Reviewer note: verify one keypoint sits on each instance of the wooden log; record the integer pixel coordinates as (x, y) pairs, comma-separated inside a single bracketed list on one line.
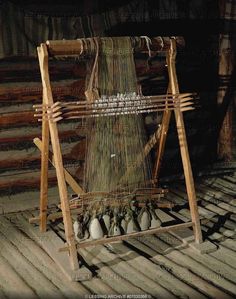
[(18, 155), (76, 72), (25, 180), (24, 65), (33, 163), (75, 47), (63, 135), (20, 163), (78, 151), (60, 70), (144, 72), (34, 93), (157, 68), (26, 117)]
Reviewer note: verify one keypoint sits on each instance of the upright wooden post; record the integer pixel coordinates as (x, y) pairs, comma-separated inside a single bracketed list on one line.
[(47, 92), (162, 141), (44, 173), (184, 146)]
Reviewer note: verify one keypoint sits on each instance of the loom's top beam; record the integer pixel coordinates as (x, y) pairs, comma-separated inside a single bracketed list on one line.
[(75, 47)]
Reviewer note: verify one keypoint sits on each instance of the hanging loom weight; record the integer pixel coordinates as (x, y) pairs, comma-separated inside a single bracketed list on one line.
[(95, 229), (107, 221), (144, 219), (155, 221), (77, 230)]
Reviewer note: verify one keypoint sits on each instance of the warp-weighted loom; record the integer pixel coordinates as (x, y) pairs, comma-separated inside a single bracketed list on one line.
[(131, 185)]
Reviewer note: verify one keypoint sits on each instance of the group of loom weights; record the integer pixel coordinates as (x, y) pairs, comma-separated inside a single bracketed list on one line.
[(115, 221)]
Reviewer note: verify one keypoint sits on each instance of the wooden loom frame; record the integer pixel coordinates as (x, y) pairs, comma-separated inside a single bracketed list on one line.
[(50, 131)]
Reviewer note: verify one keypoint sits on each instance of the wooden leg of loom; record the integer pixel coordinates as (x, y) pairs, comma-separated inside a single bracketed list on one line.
[(184, 147), (44, 175), (43, 62), (63, 196), (188, 175)]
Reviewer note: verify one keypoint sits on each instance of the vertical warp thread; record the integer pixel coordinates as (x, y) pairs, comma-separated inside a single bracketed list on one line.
[(115, 142)]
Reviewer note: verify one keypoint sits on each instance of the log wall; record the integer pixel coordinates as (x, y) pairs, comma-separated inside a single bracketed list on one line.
[(20, 88)]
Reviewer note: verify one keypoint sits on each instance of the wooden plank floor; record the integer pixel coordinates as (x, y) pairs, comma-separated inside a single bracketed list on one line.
[(156, 266)]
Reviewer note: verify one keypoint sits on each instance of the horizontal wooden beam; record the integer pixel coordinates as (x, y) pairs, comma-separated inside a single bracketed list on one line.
[(75, 47), (34, 163), (30, 179), (34, 93), (28, 93), (102, 241), (22, 138), (25, 117), (27, 182)]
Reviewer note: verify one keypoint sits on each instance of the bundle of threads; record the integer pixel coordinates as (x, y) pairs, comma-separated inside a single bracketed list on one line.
[(113, 145)]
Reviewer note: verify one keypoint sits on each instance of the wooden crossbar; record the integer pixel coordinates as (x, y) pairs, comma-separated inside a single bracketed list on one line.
[(75, 47), (106, 240)]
